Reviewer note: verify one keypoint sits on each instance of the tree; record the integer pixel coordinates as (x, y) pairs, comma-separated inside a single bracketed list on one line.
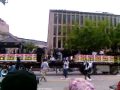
[(115, 38), (29, 46), (90, 37)]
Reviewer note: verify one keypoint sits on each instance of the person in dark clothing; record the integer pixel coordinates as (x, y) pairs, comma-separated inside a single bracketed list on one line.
[(87, 70), (19, 80), (19, 65)]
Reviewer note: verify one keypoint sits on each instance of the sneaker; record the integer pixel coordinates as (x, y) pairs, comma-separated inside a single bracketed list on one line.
[(89, 79), (62, 78), (67, 78)]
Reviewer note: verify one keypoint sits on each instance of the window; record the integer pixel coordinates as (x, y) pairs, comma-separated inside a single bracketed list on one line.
[(98, 18), (68, 19), (86, 17), (114, 21), (77, 19), (64, 30), (55, 30), (54, 42), (59, 42), (59, 30), (90, 17), (59, 18), (81, 20), (94, 18), (111, 21), (119, 20), (73, 19), (64, 18), (102, 18), (55, 18)]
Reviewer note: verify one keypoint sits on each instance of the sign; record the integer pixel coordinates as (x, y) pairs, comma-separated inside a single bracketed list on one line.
[(13, 57), (95, 58)]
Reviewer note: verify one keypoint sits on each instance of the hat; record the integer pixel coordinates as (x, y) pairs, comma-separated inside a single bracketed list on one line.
[(80, 84), (19, 80)]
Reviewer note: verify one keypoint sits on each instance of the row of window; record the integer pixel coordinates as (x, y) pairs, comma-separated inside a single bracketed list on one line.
[(60, 30), (58, 42), (72, 19)]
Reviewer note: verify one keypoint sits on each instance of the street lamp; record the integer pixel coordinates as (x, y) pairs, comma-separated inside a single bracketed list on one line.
[(4, 1)]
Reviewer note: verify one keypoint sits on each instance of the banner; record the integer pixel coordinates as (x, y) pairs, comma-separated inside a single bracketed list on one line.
[(98, 58), (10, 57), (2, 56), (94, 58), (13, 57), (90, 57)]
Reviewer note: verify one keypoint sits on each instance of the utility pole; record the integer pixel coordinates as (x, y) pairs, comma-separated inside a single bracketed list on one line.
[(4, 1)]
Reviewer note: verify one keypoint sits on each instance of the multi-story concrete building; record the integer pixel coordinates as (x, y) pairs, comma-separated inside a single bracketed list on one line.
[(60, 20)]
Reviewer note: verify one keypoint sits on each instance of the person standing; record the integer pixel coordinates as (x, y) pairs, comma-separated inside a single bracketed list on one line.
[(19, 64), (44, 69), (65, 68), (87, 70)]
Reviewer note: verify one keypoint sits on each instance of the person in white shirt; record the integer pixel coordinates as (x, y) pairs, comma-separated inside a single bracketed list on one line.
[(101, 52), (65, 68), (44, 69)]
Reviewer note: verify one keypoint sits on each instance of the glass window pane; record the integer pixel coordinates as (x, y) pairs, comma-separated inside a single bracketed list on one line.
[(77, 19), (94, 18), (114, 21), (55, 30), (59, 42), (90, 17), (81, 20), (68, 19), (64, 18), (59, 30), (111, 21), (54, 42), (102, 18), (98, 18), (59, 18), (73, 19), (55, 18)]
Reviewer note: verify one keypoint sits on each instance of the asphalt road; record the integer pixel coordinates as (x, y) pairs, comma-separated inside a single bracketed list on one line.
[(54, 82)]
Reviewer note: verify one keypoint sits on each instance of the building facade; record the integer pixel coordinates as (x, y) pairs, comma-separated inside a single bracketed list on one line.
[(62, 21)]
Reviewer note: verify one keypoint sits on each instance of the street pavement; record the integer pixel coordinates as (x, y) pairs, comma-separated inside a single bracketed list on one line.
[(54, 81)]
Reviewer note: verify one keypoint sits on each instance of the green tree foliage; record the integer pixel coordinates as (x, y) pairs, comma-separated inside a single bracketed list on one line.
[(90, 37), (115, 37), (29, 46)]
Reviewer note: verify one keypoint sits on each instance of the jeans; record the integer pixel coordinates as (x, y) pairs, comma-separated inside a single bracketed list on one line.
[(65, 73)]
